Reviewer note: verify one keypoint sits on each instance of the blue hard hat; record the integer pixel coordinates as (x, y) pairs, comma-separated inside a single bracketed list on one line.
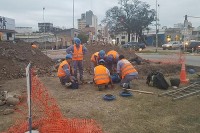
[(68, 56), (102, 53), (191, 71), (77, 41), (109, 58), (101, 61)]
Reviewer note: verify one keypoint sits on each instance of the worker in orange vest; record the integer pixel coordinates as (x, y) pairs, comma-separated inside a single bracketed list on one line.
[(96, 57), (102, 75), (64, 71), (111, 60), (34, 45), (126, 71), (78, 51)]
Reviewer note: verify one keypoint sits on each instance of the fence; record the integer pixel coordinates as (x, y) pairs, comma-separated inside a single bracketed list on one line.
[(46, 115)]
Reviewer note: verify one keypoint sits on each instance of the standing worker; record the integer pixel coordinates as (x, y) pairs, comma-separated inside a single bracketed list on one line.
[(126, 71), (78, 51), (96, 57), (64, 71), (102, 75), (111, 60)]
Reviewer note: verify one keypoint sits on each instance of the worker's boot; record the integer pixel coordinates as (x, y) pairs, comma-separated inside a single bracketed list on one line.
[(100, 87), (68, 84), (106, 87)]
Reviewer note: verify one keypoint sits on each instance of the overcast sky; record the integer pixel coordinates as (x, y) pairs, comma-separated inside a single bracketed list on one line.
[(60, 12)]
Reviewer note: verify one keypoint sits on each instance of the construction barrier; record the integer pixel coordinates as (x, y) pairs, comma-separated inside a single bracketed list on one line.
[(46, 115)]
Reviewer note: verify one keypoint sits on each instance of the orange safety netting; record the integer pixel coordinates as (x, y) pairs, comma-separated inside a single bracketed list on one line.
[(46, 115)]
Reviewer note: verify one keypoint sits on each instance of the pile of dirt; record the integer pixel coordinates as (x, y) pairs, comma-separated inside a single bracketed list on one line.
[(167, 69), (14, 57), (96, 48)]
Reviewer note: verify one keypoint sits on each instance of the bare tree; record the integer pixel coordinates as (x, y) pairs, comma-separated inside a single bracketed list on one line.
[(132, 16)]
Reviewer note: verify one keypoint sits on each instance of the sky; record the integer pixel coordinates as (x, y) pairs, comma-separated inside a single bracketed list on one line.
[(27, 13)]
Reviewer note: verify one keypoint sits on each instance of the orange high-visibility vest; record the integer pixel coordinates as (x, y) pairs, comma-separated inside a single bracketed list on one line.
[(61, 72), (127, 68), (34, 46), (113, 52), (93, 57), (78, 53), (100, 75)]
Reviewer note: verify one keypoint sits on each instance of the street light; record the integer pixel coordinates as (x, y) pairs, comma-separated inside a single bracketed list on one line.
[(73, 14), (156, 26), (44, 32)]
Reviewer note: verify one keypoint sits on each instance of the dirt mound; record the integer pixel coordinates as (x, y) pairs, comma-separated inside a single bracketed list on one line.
[(14, 57), (96, 48), (143, 69)]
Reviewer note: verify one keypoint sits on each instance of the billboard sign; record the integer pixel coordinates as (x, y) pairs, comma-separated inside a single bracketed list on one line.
[(7, 23)]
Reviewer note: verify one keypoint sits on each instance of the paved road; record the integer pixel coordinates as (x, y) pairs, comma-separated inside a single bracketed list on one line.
[(190, 59)]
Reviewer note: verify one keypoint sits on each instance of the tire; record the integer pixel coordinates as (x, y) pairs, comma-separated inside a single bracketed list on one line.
[(125, 94), (109, 97)]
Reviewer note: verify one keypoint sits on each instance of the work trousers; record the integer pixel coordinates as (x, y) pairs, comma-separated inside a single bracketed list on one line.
[(127, 79), (78, 65)]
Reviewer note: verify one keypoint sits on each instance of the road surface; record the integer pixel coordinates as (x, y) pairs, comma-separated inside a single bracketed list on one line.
[(190, 59)]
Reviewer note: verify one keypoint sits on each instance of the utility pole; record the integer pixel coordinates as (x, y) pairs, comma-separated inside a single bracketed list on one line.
[(156, 26), (44, 32), (73, 14)]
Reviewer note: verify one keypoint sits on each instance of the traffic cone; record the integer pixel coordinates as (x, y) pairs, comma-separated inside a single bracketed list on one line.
[(183, 74)]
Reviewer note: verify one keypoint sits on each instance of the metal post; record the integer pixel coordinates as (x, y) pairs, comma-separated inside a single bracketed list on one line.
[(156, 26), (73, 14), (44, 33), (28, 78)]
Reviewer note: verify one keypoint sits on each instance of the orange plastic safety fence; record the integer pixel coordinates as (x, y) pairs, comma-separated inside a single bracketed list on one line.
[(46, 115)]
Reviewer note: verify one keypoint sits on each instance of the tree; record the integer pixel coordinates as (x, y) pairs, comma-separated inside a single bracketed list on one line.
[(83, 37), (132, 16)]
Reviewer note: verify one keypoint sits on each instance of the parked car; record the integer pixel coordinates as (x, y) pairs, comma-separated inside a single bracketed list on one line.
[(172, 45), (193, 46), (135, 45)]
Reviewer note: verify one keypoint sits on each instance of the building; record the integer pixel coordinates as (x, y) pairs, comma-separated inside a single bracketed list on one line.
[(23, 30), (88, 19), (196, 34), (45, 27), (66, 36), (150, 36), (103, 34), (179, 25), (81, 24), (7, 29), (90, 32)]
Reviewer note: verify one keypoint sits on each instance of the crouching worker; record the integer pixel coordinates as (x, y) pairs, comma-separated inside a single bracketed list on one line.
[(102, 75), (96, 57), (111, 61), (64, 73), (126, 71)]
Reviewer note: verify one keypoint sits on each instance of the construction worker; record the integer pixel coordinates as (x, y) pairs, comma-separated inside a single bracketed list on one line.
[(34, 45), (64, 71), (126, 71), (102, 75), (111, 60), (78, 51), (96, 57)]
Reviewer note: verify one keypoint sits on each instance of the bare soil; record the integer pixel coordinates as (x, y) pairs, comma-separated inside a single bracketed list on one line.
[(141, 113), (15, 57)]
